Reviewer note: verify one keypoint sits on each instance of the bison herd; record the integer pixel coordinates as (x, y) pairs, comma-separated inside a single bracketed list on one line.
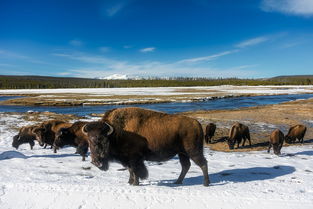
[(133, 135)]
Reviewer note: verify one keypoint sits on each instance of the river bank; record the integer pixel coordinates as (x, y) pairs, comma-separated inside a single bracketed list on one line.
[(129, 96)]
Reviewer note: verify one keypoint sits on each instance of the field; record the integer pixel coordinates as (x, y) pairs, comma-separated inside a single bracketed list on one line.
[(245, 178)]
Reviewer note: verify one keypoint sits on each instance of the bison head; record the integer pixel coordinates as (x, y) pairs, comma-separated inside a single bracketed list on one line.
[(289, 139), (62, 137), (39, 133), (16, 142), (231, 143), (277, 148), (99, 142)]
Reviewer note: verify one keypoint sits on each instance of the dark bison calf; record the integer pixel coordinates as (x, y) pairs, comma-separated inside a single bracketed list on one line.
[(295, 132), (166, 136), (45, 133), (238, 132), (209, 132), (276, 140), (73, 136), (107, 144), (25, 135)]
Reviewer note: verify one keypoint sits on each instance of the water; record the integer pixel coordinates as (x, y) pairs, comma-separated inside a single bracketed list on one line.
[(224, 103)]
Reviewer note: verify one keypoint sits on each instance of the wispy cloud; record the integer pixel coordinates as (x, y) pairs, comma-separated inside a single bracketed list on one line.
[(100, 66), (207, 58), (293, 7), (113, 10), (252, 42), (13, 55), (148, 49), (76, 42)]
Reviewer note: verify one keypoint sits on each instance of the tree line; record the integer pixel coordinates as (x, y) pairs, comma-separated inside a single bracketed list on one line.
[(44, 82)]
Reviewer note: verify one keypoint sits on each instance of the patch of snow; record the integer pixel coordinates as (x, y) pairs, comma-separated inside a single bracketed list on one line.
[(39, 178)]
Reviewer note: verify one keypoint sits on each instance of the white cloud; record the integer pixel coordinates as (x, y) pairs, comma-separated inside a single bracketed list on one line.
[(293, 7), (207, 58), (148, 49), (252, 42), (76, 42)]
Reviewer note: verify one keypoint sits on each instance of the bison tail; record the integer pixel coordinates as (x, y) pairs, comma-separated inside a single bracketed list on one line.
[(141, 170)]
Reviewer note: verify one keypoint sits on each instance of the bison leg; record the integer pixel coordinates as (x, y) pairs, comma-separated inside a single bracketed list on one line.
[(31, 143), (131, 176), (185, 164), (238, 143), (269, 148), (45, 146), (202, 163)]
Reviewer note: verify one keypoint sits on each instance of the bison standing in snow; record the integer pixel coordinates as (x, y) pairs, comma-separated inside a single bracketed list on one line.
[(45, 133), (238, 132), (276, 140), (73, 136), (25, 135), (295, 132), (209, 132), (146, 135)]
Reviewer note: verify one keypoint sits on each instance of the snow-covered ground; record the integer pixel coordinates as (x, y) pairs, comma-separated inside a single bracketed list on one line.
[(169, 90), (41, 179)]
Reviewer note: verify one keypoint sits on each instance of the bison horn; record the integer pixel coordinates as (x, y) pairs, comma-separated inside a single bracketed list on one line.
[(110, 130), (84, 130)]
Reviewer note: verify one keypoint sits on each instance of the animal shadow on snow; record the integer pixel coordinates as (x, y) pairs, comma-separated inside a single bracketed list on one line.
[(14, 154), (236, 176)]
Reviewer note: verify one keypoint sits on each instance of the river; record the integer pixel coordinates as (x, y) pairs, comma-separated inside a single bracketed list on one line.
[(174, 107)]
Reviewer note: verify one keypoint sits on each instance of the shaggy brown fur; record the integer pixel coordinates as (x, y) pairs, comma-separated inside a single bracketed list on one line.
[(276, 140), (295, 132), (73, 136), (125, 147), (209, 132), (238, 132), (45, 133), (166, 135), (25, 135)]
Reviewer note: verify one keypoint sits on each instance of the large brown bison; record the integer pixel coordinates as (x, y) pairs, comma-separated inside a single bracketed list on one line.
[(295, 132), (109, 144), (25, 135), (73, 136), (209, 132), (276, 140), (238, 132), (165, 136), (45, 133)]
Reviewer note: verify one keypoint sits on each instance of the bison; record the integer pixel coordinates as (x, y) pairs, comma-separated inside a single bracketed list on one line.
[(109, 144), (209, 132), (276, 140), (45, 133), (238, 132), (295, 132), (146, 135), (25, 135), (73, 136)]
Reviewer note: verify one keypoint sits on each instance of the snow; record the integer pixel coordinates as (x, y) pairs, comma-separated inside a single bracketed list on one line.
[(41, 179), (264, 90)]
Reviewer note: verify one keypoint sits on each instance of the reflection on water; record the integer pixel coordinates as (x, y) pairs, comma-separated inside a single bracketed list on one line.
[(225, 103)]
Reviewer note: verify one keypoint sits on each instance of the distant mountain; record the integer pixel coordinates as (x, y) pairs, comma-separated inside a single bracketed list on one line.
[(116, 77)]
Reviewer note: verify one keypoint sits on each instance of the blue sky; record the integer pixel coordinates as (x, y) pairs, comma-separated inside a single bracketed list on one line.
[(193, 38)]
